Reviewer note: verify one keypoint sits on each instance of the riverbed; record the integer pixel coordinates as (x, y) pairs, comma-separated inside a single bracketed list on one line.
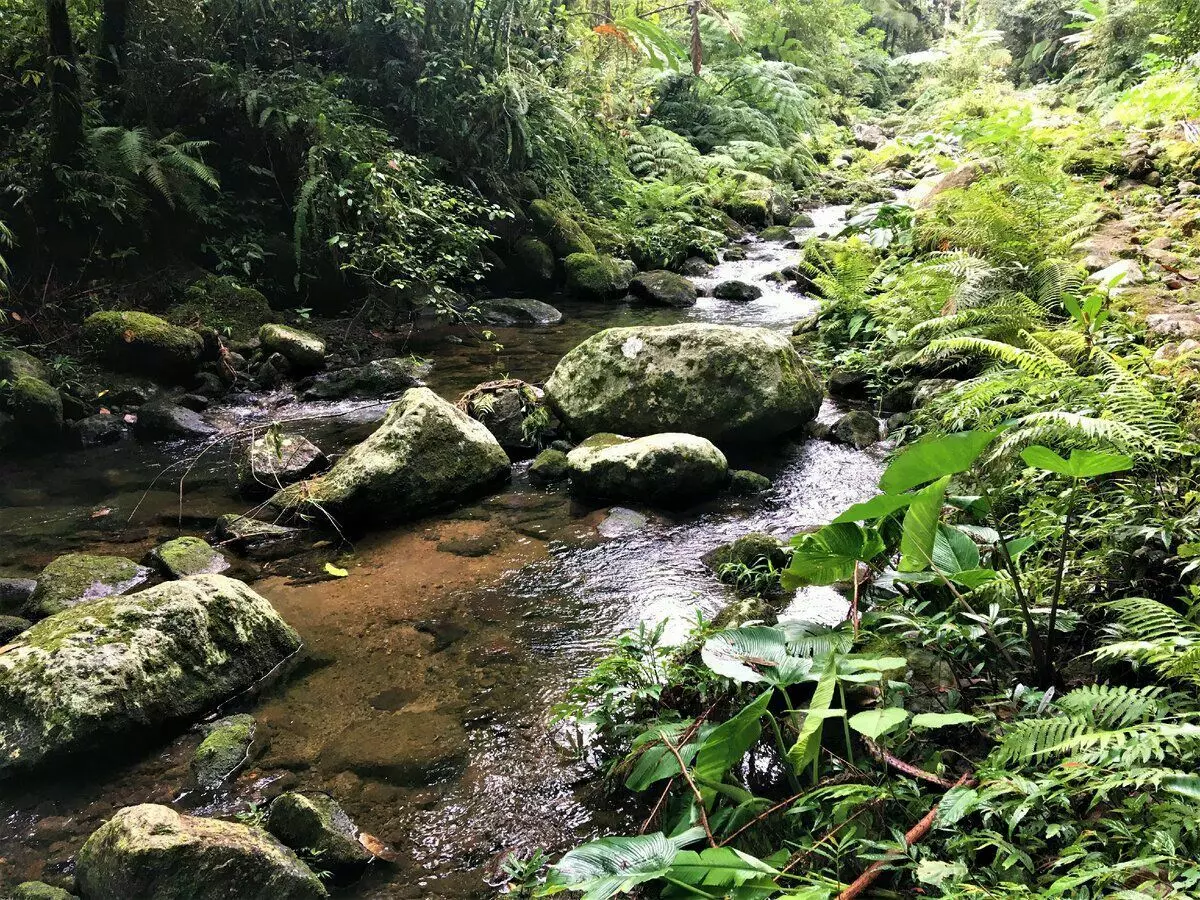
[(450, 638)]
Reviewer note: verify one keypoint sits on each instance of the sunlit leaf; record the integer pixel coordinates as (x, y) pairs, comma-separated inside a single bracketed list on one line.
[(1082, 464), (920, 526), (875, 723), (615, 865), (934, 458), (942, 720), (754, 654)]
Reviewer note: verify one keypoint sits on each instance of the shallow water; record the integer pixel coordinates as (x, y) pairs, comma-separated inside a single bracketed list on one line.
[(450, 639)]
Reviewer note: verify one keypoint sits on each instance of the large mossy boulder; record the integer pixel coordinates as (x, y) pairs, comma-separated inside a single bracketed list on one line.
[(152, 852), (223, 303), (316, 826), (722, 382), (225, 749), (37, 409), (379, 378), (98, 676), (79, 577), (304, 351), (668, 469), (559, 230), (426, 455), (533, 262), (142, 343), (595, 277), (663, 288), (15, 363)]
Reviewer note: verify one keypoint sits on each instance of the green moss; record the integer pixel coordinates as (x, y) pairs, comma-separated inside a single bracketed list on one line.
[(39, 890), (535, 260), (802, 220), (37, 408), (11, 626), (745, 483), (748, 208), (79, 577), (222, 303), (776, 233), (300, 348), (223, 751), (140, 342), (186, 556), (15, 363), (559, 230), (598, 277), (550, 467), (317, 828)]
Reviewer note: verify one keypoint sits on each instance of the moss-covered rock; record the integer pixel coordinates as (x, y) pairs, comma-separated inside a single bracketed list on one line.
[(95, 677), (754, 549), (276, 460), (669, 469), (225, 749), (594, 277), (37, 409), (39, 890), (858, 428), (801, 220), (15, 363), (559, 230), (515, 413), (152, 852), (533, 262), (316, 827), (186, 556), (11, 626), (725, 383), (221, 302), (749, 208), (550, 467), (663, 288), (378, 378), (745, 483), (79, 577), (142, 343), (301, 349), (777, 233), (737, 291), (426, 454)]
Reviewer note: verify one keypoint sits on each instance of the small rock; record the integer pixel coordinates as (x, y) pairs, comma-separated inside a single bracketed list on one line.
[(848, 385), (303, 350), (737, 291), (317, 828), (749, 550), (260, 540), (819, 431), (734, 254), (695, 267), (186, 556), (378, 378), (98, 430), (671, 469), (225, 749), (802, 220), (514, 412), (896, 421), (621, 521), (276, 460), (777, 233), (509, 312), (596, 277), (663, 288), (1121, 274), (11, 626), (79, 577), (857, 428), (868, 136), (194, 402), (151, 851), (39, 890), (550, 467), (162, 419), (15, 593), (745, 483)]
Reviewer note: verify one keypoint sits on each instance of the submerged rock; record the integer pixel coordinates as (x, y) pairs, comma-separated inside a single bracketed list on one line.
[(725, 383), (426, 454), (316, 826), (301, 349), (595, 277), (508, 312), (663, 288), (90, 678), (140, 342), (276, 460), (737, 291), (153, 853), (378, 378), (225, 749), (79, 577), (405, 748), (186, 556), (857, 428), (550, 467), (260, 540), (672, 469)]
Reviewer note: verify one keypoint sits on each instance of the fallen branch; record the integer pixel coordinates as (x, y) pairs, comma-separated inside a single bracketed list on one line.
[(900, 765), (712, 842), (914, 835)]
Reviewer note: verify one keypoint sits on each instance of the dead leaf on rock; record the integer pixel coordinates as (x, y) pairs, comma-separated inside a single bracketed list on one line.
[(377, 848)]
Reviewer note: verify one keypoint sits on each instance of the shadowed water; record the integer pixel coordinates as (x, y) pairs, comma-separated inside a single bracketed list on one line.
[(451, 638)]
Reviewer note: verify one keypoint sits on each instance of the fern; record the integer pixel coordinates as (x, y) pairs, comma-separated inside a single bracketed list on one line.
[(171, 167)]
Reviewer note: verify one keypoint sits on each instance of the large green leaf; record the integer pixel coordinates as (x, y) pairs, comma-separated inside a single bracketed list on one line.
[(942, 720), (754, 654), (875, 508), (728, 742), (875, 723), (921, 525), (615, 865), (808, 744), (654, 761), (934, 458), (830, 554), (1082, 464), (953, 551), (723, 867)]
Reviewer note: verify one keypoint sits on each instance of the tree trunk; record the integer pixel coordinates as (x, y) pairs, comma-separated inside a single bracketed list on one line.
[(697, 44), (66, 107), (110, 49)]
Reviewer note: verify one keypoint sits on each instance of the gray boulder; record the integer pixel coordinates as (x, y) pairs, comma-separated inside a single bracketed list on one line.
[(869, 136), (260, 540), (164, 419), (152, 852), (301, 349), (378, 378), (316, 826), (509, 312), (426, 454), (669, 469), (857, 428), (80, 577), (95, 676), (276, 460), (98, 430), (725, 383), (737, 291), (663, 288)]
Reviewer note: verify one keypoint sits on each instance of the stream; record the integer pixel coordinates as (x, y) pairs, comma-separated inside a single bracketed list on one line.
[(431, 669)]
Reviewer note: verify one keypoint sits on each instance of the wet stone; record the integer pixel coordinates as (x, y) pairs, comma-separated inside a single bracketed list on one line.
[(80, 577), (479, 545), (378, 378), (260, 540), (403, 748), (225, 749), (167, 420), (621, 521), (186, 556), (857, 428), (316, 827), (737, 291), (276, 460), (15, 593), (98, 430)]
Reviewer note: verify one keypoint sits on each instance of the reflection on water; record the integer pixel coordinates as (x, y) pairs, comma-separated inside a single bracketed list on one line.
[(452, 637)]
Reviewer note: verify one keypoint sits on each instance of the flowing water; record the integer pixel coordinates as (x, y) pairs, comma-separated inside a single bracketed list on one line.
[(423, 701)]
